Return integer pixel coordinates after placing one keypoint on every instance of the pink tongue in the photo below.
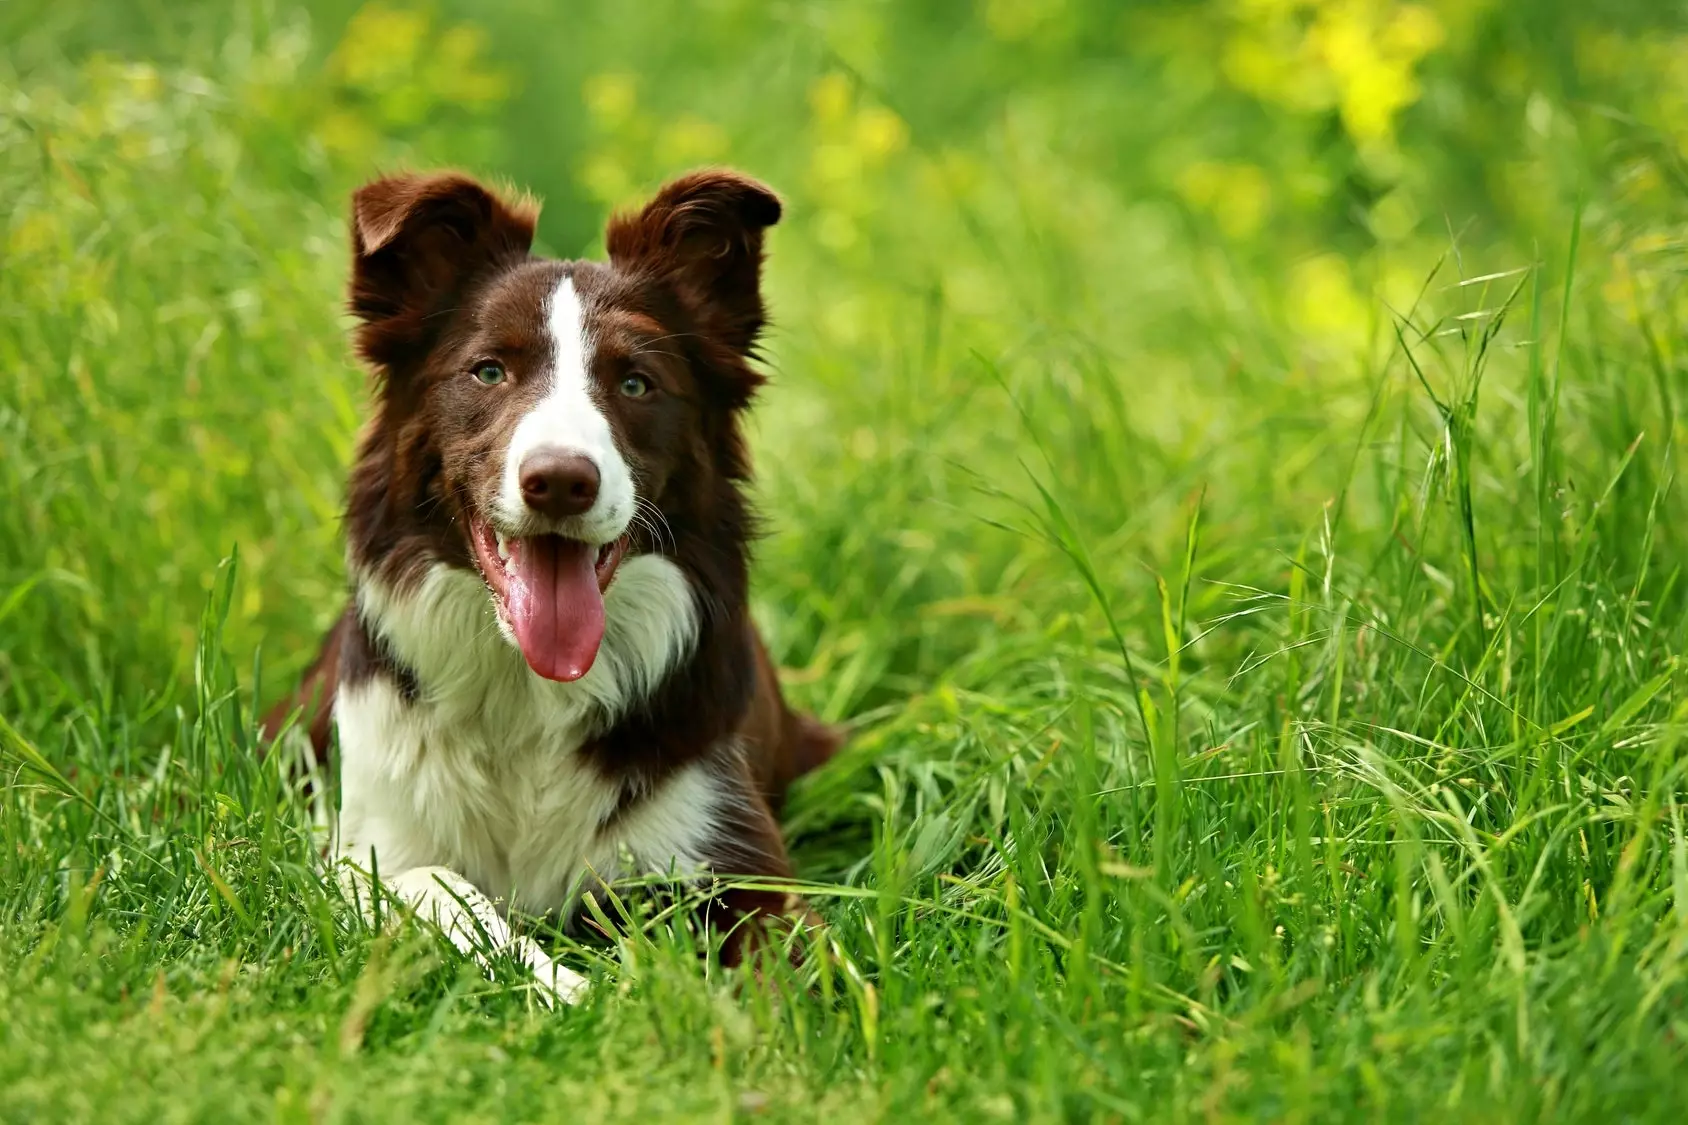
(555, 605)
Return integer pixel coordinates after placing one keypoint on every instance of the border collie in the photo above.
(547, 676)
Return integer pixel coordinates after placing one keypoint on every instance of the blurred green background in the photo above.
(1220, 459)
(1220, 202)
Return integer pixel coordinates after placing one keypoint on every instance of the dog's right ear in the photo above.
(417, 243)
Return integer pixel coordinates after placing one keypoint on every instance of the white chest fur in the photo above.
(483, 773)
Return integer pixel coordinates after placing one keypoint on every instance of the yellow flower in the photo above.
(464, 74)
(879, 132)
(611, 98)
(829, 98)
(835, 166)
(381, 45)
(1358, 55)
(343, 133)
(397, 60)
(1371, 99)
(1414, 32)
(144, 84)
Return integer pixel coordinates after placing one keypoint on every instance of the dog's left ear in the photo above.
(703, 235)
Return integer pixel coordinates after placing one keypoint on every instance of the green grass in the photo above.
(1262, 641)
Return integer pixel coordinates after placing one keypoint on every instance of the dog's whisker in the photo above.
(653, 518)
(648, 345)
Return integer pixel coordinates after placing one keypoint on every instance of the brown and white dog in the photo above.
(548, 673)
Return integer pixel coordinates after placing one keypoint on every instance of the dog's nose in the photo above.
(556, 483)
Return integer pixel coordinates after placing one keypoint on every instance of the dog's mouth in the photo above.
(549, 590)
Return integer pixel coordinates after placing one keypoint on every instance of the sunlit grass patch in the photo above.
(1258, 610)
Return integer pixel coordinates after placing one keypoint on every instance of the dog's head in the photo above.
(565, 413)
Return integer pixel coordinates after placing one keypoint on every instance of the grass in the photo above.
(1263, 647)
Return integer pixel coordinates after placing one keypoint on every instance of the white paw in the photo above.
(475, 925)
(554, 983)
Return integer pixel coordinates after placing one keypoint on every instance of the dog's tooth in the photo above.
(503, 547)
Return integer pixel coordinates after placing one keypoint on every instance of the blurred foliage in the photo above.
(1175, 184)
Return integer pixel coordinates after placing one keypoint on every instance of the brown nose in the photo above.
(558, 484)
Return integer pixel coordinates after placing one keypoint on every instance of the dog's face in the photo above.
(567, 411)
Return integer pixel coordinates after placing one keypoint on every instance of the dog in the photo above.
(547, 676)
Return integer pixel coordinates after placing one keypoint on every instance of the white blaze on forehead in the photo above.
(569, 419)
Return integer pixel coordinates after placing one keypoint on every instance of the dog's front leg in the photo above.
(753, 919)
(474, 925)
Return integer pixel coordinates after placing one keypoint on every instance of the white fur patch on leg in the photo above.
(472, 923)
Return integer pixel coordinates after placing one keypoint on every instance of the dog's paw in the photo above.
(553, 983)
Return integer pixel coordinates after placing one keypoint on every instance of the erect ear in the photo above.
(703, 235)
(417, 243)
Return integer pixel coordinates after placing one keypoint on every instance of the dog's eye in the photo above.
(635, 386)
(491, 374)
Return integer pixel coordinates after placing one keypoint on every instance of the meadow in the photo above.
(1219, 461)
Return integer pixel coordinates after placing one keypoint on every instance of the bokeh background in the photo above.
(1221, 460)
(1218, 204)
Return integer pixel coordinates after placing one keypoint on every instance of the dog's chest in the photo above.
(484, 772)
(502, 793)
